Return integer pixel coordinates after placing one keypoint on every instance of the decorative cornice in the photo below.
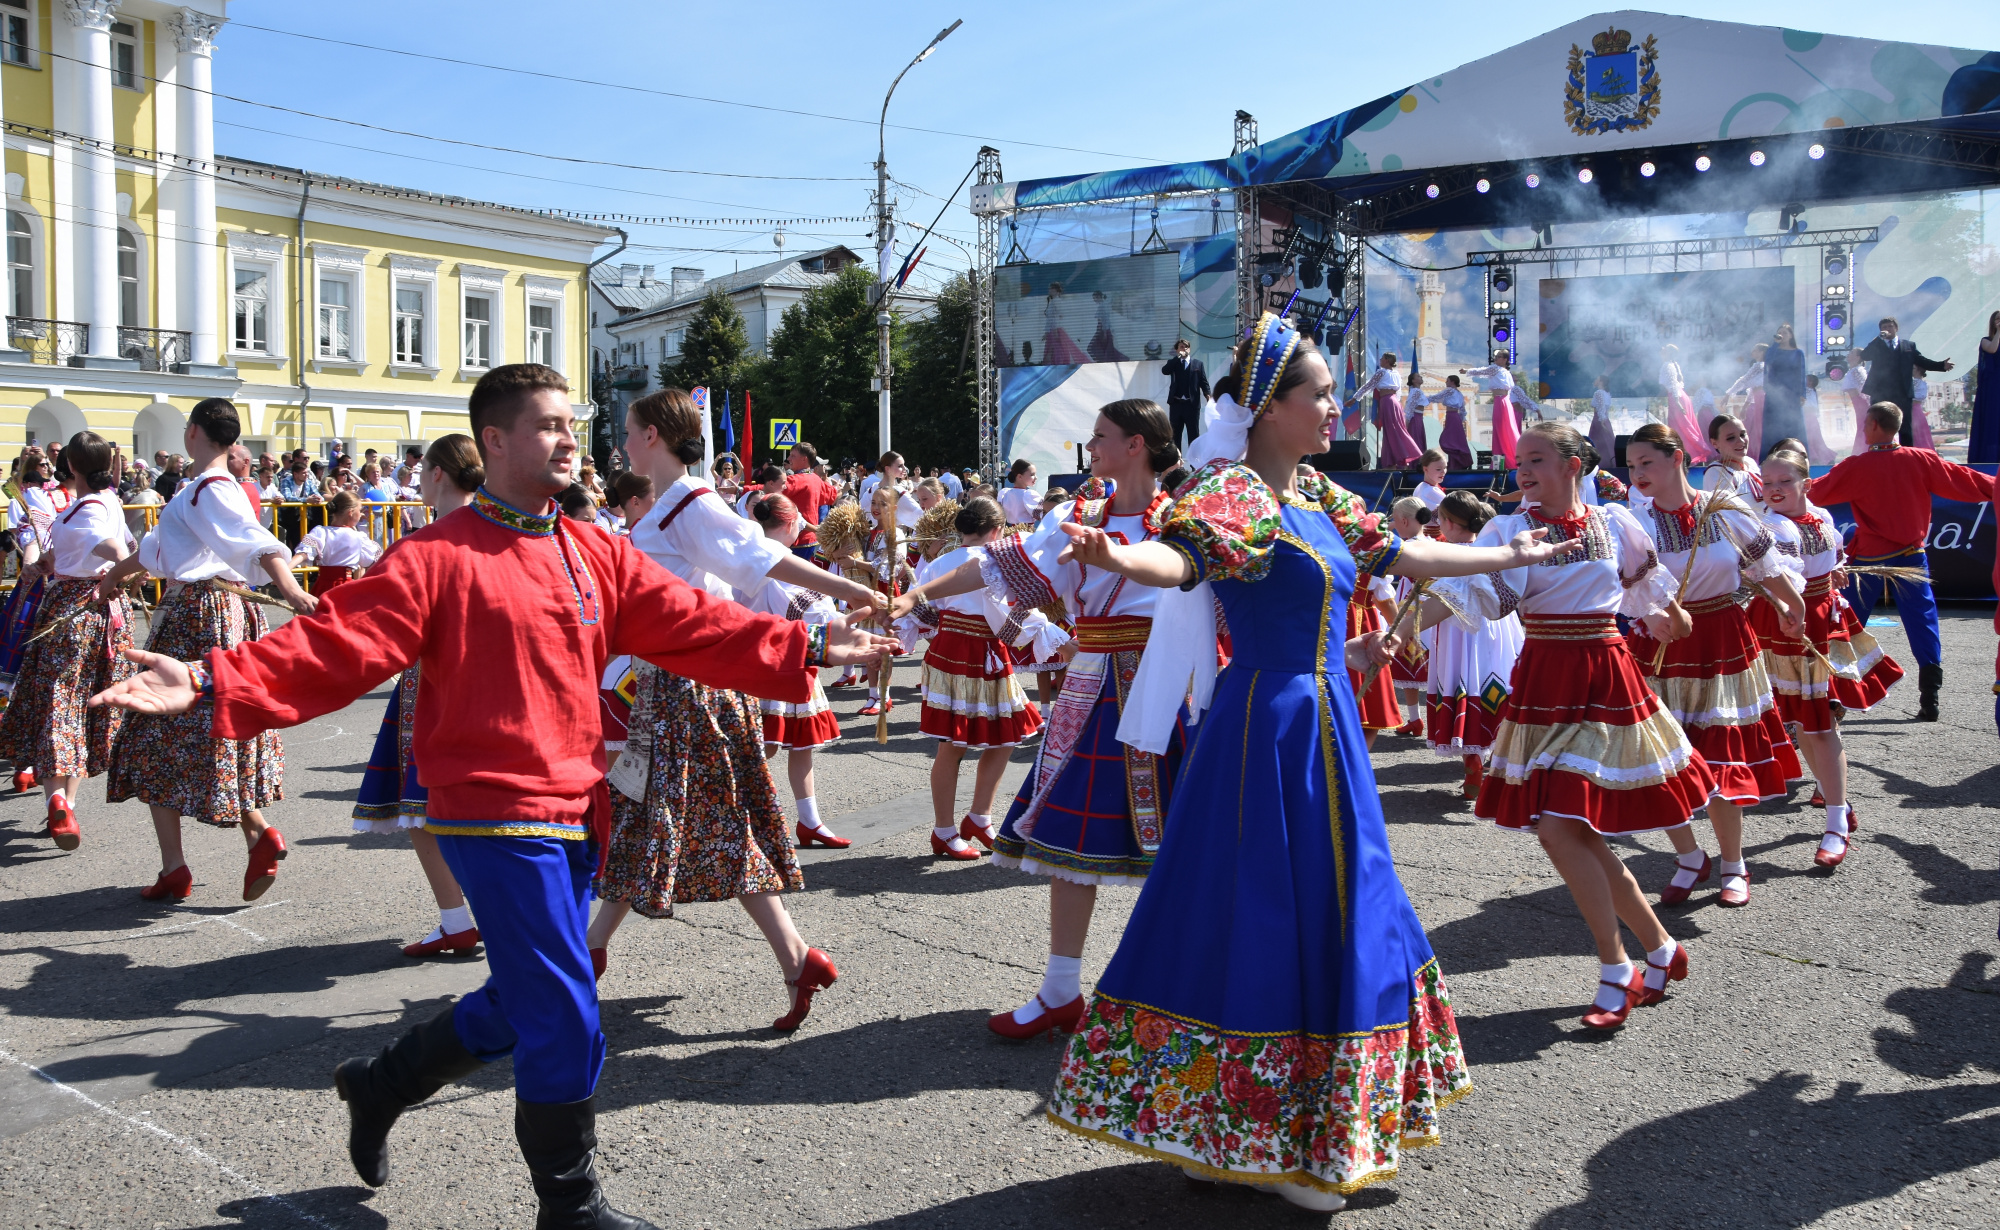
(542, 283)
(194, 33)
(481, 277)
(414, 266)
(337, 256)
(90, 14)
(253, 244)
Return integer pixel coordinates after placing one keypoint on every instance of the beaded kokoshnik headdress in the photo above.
(1274, 345)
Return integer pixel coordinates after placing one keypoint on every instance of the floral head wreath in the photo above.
(1273, 343)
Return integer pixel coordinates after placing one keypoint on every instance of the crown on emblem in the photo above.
(1612, 42)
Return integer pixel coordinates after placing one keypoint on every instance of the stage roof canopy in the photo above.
(1614, 82)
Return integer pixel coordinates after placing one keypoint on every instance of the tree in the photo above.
(715, 349)
(936, 404)
(820, 363)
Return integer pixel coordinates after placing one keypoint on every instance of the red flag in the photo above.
(749, 439)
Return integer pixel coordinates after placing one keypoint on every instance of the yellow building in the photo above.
(144, 273)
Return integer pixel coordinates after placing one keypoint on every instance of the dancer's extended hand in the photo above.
(1530, 547)
(1669, 625)
(847, 643)
(1088, 546)
(1369, 650)
(164, 687)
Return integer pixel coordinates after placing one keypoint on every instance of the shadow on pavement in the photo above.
(1772, 1157)
(1952, 1027)
(1948, 879)
(346, 1207)
(1135, 1194)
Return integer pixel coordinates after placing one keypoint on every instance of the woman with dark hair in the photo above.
(697, 817)
(1273, 1014)
(1785, 409)
(1018, 499)
(1734, 470)
(1713, 679)
(80, 650)
(32, 509)
(391, 798)
(1983, 446)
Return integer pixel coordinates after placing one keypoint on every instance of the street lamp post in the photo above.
(885, 243)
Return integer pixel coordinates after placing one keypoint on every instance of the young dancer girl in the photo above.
(1415, 402)
(1273, 972)
(1920, 419)
(1732, 472)
(1713, 680)
(972, 700)
(80, 650)
(706, 825)
(1813, 691)
(1471, 658)
(1451, 438)
(30, 512)
(339, 549)
(1398, 449)
(391, 798)
(1430, 492)
(885, 512)
(1499, 382)
(796, 728)
(1409, 672)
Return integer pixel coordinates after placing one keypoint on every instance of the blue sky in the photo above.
(1118, 84)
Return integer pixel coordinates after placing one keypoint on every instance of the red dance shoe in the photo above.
(172, 885)
(1614, 1018)
(1063, 1020)
(1673, 894)
(263, 869)
(1853, 821)
(1734, 897)
(816, 837)
(453, 942)
(817, 975)
(62, 825)
(600, 958)
(1414, 730)
(1818, 799)
(1829, 860)
(943, 849)
(875, 707)
(24, 780)
(972, 832)
(1677, 970)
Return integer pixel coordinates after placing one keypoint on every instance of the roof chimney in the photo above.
(645, 275)
(686, 279)
(628, 275)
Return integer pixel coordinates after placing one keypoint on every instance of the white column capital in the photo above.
(91, 14)
(194, 33)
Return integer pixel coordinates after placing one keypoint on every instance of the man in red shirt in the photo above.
(1889, 489)
(512, 612)
(809, 493)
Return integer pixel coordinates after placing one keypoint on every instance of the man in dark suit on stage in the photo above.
(1187, 385)
(1890, 368)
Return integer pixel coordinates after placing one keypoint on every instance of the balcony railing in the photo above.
(633, 377)
(54, 342)
(158, 350)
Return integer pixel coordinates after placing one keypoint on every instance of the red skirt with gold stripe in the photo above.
(810, 724)
(1713, 682)
(971, 697)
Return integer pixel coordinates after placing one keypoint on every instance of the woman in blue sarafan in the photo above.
(1273, 1014)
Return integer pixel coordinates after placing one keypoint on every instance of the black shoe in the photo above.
(1930, 677)
(377, 1090)
(559, 1143)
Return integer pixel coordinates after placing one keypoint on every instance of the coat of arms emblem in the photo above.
(1615, 88)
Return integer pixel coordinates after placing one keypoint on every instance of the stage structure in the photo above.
(1721, 178)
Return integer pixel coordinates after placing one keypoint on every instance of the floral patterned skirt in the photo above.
(47, 723)
(710, 827)
(175, 761)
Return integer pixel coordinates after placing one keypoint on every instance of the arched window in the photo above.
(128, 278)
(20, 265)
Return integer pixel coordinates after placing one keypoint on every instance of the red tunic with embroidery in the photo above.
(512, 617)
(1889, 490)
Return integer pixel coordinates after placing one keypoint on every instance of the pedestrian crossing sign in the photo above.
(784, 433)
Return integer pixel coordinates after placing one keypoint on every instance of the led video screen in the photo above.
(1615, 327)
(1118, 310)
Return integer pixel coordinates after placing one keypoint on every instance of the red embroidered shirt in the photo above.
(1889, 491)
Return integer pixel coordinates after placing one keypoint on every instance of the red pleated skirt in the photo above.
(1378, 701)
(1714, 683)
(329, 576)
(971, 696)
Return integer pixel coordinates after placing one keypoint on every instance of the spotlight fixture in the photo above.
(1836, 305)
(1503, 280)
(1816, 151)
(1503, 330)
(1534, 180)
(1756, 158)
(1584, 175)
(1647, 169)
(1702, 163)
(1483, 186)
(1267, 279)
(1431, 191)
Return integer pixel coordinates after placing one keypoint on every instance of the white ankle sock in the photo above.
(809, 816)
(1062, 983)
(1735, 876)
(1690, 868)
(58, 795)
(984, 822)
(437, 933)
(1607, 998)
(874, 694)
(1657, 962)
(1836, 818)
(456, 919)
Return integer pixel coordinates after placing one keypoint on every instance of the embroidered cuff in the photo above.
(1197, 562)
(816, 645)
(926, 614)
(202, 679)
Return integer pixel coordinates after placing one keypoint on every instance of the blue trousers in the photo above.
(539, 1003)
(1916, 605)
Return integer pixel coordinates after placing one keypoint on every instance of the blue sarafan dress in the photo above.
(1274, 1012)
(391, 797)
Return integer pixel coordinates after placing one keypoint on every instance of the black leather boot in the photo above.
(1930, 677)
(559, 1143)
(377, 1090)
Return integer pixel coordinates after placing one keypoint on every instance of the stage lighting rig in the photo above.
(1647, 169)
(1816, 151)
(1483, 186)
(1431, 191)
(1311, 274)
(1703, 162)
(1756, 158)
(1584, 175)
(1534, 180)
(1836, 302)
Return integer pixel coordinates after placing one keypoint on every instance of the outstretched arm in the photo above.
(1427, 557)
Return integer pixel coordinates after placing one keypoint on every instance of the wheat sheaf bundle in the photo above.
(1888, 572)
(843, 531)
(935, 534)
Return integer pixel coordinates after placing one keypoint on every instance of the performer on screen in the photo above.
(1452, 439)
(1499, 382)
(1398, 449)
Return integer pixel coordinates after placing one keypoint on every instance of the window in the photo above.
(17, 32)
(410, 326)
(478, 332)
(253, 308)
(128, 278)
(542, 333)
(124, 55)
(335, 315)
(670, 345)
(20, 264)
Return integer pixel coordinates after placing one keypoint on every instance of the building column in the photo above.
(194, 36)
(99, 198)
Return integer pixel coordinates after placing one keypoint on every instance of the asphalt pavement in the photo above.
(1834, 1059)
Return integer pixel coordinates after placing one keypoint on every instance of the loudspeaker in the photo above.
(1341, 455)
(1618, 450)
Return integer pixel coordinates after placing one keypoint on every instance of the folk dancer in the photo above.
(337, 550)
(1713, 679)
(1603, 435)
(1889, 487)
(1499, 382)
(1398, 449)
(1415, 403)
(510, 610)
(79, 649)
(1681, 415)
(1452, 438)
(183, 762)
(1734, 470)
(30, 512)
(1430, 492)
(1410, 670)
(1471, 658)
